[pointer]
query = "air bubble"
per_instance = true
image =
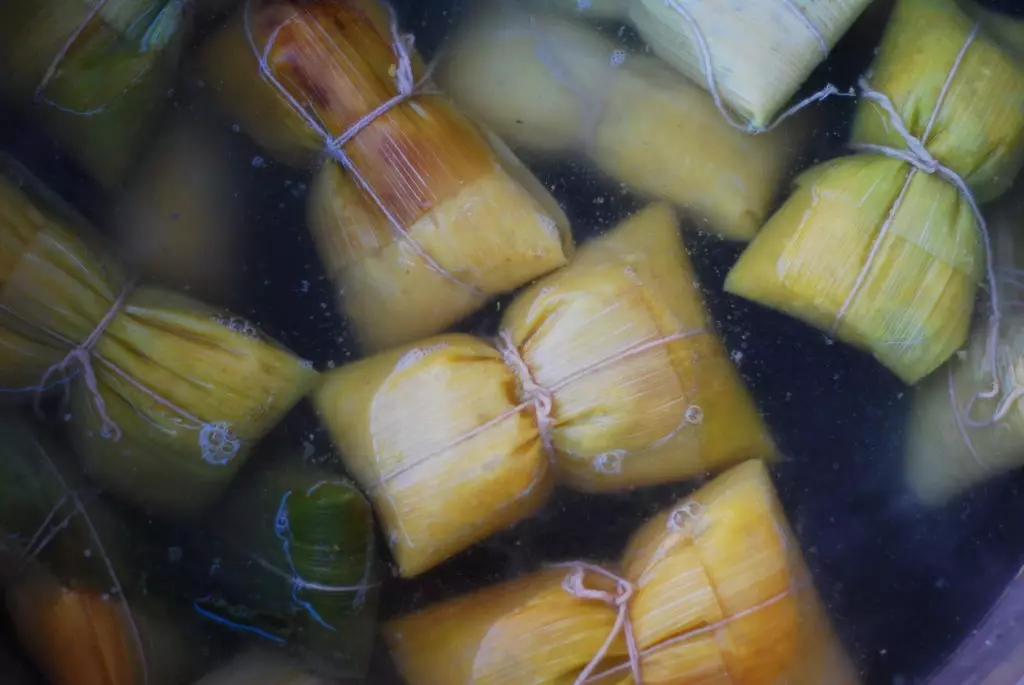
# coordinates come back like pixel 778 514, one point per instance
pixel 618 57
pixel 694 415
pixel 238 325
pixel 218 444
pixel 610 463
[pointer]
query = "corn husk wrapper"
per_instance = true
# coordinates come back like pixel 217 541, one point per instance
pixel 761 51
pixel 425 223
pixel 190 388
pixel 724 597
pixel 95 74
pixel 555 86
pixel 296 565
pixel 261 667
pixel 68 574
pixel 907 300
pixel 178 221
pixel 445 440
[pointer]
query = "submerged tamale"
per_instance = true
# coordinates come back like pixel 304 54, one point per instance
pixel 550 85
pixel 607 375
pixel 70 581
pixel 716 591
pixel 884 249
pixel 95 73
pixel 168 395
pixel 418 220
pixel 759 51
pixel 263 667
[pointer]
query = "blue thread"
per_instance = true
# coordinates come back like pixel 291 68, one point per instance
pixel 39 388
pixel 232 624
pixel 282 528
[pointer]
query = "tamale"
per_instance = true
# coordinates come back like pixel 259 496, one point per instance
pixel 417 219
pixel 884 249
pixel 296 564
pixel 70 583
pixel 168 396
pixel 609 368
pixel 553 86
pixel 178 220
pixel 759 52
pixel 96 73
pixel 261 667
pixel 715 589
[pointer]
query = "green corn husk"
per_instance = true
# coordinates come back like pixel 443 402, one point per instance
pixel 189 389
pixel 102 98
pixel 70 583
pixel 258 667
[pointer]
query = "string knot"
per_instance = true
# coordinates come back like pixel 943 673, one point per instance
pixel 542 399
pixel 575 585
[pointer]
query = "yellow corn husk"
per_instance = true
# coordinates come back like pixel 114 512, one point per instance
pixel 721 595
pixel 907 296
pixel 554 86
pixel 264 667
pixel 190 388
pixel 425 222
pixel 178 219
pixel 442 434
pixel 96 74
pixel 761 51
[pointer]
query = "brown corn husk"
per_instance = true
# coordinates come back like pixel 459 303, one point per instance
pixel 874 250
pixel 263 667
pixel 720 594
pixel 417 218
pixel 760 51
pixel 554 86
pixel 178 393
pixel 447 440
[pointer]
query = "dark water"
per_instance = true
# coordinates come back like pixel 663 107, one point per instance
pixel 904 584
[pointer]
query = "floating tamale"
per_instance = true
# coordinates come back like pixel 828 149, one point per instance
pixel 716 591
pixel 259 667
pixel 609 368
pixel 96 73
pixel 178 220
pixel 417 218
pixel 70 583
pixel 552 86
pixel 884 253
pixel 169 395
pixel 759 51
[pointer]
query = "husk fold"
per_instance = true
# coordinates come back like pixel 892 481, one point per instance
pixel 445 438
pixel 418 219
pixel 721 594
pixel 70 579
pixel 905 296
pixel 550 85
pixel 96 74
pixel 189 388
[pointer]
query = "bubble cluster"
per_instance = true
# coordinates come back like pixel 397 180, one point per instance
pixel 218 444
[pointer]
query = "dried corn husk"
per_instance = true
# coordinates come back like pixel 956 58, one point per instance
pixel 69 577
pixel 555 86
pixel 720 594
pixel 261 667
pixel 760 51
pixel 417 218
pixel 875 250
pixel 186 390
pixel 178 220
pixel 449 437
pixel 96 73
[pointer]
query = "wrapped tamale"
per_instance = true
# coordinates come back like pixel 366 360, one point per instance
pixel 178 219
pixel 260 667
pixel 95 73
pixel 71 587
pixel 417 218
pixel 295 565
pixel 884 249
pixel 609 369
pixel 715 590
pixel 759 51
pixel 551 85
pixel 168 395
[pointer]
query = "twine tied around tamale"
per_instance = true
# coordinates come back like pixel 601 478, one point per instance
pixel 575 585
pixel 707 66
pixel 407 87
